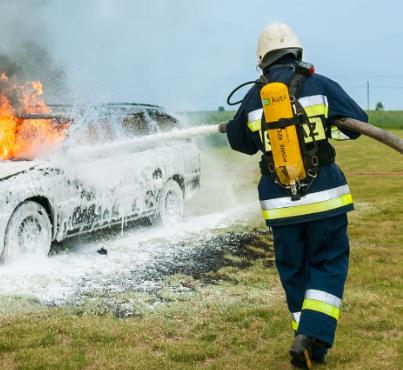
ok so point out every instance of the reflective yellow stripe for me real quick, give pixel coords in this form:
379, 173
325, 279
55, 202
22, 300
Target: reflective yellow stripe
311, 100
317, 110
319, 196
255, 125
312, 111
327, 309
267, 141
294, 325
336, 134
306, 209
318, 130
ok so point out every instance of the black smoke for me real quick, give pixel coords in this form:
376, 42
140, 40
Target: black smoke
25, 51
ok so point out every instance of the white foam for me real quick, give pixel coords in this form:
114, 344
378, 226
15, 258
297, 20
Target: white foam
57, 278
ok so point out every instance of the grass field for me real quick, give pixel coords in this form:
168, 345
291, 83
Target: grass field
386, 119
236, 318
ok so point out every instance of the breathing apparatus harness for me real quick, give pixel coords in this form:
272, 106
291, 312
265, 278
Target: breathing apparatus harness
313, 153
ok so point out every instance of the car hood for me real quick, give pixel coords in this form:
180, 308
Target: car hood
10, 168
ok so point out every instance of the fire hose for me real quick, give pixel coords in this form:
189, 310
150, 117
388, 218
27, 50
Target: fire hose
373, 132
363, 128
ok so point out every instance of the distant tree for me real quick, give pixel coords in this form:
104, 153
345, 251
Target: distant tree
379, 106
221, 109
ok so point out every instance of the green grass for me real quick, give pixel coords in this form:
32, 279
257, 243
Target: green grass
241, 321
386, 119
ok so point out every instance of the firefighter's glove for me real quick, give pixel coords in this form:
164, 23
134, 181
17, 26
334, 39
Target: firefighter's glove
222, 128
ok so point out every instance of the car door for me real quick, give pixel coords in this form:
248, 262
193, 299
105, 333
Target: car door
100, 172
179, 156
141, 177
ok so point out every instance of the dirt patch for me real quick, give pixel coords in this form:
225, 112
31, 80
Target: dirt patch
245, 248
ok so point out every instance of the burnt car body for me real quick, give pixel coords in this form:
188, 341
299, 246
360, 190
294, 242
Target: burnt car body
99, 185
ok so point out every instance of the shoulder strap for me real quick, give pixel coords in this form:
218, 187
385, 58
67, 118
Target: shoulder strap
302, 71
296, 85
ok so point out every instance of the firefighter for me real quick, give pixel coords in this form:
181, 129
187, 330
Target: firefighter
309, 230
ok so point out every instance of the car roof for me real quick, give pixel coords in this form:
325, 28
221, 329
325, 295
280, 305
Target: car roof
68, 112
124, 107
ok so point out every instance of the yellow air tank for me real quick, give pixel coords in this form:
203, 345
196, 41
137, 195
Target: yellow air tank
288, 162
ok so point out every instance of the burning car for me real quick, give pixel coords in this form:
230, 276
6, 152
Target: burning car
51, 190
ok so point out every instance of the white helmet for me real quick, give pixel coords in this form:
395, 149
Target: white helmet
278, 39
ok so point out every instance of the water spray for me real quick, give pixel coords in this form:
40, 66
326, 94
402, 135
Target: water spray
145, 141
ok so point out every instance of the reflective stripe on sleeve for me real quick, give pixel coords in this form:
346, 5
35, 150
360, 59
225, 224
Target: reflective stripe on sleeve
321, 301
321, 201
255, 120
336, 134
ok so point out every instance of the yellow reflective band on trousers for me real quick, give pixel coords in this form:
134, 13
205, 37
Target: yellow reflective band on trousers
325, 308
306, 209
296, 316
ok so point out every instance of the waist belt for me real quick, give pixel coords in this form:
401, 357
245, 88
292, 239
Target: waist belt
325, 154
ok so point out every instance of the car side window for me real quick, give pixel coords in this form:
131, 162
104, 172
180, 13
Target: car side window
138, 124
164, 121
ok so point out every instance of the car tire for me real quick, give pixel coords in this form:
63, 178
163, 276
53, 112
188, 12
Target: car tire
29, 232
170, 205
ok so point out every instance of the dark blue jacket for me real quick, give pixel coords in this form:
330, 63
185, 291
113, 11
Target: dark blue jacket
328, 195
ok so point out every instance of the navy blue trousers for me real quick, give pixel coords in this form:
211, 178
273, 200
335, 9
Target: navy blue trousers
312, 261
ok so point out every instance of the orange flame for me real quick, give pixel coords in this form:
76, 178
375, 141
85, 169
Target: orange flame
20, 138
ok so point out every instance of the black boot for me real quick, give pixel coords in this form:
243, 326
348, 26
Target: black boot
319, 351
301, 352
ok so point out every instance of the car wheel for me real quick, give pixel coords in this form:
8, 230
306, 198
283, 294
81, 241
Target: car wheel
170, 205
29, 232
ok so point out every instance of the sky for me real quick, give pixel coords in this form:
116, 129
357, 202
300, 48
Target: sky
188, 55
